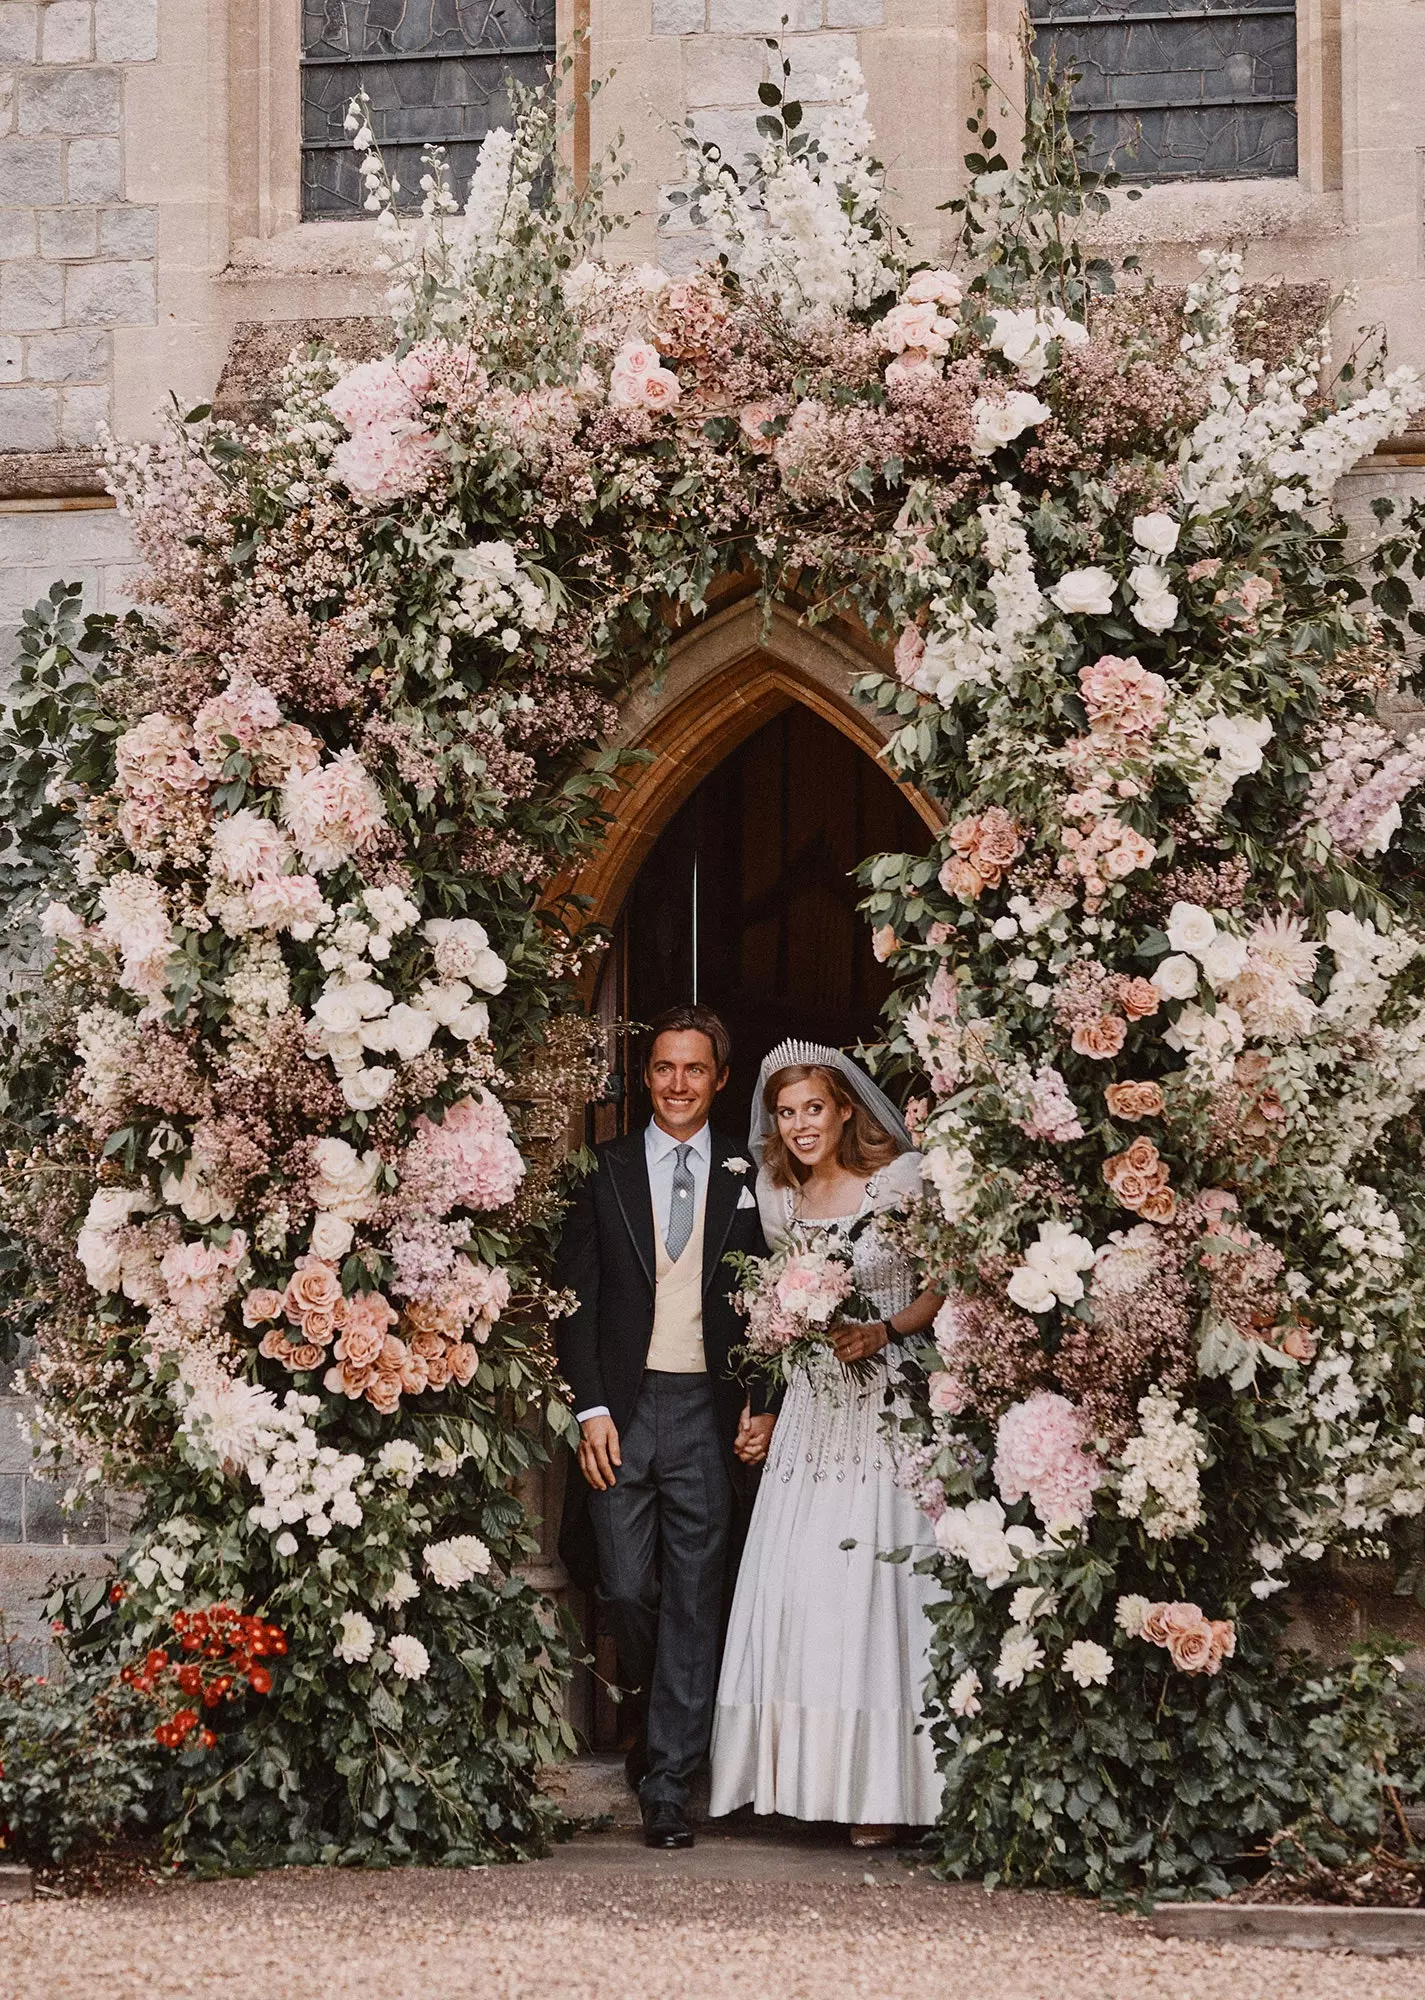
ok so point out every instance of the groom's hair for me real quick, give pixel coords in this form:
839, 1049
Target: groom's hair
693, 1020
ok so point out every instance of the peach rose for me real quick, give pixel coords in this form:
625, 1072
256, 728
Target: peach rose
345, 1378
438, 1371
313, 1287
273, 1344
1193, 1650
360, 1346
393, 1356
1224, 1640
1155, 1623
414, 1375
999, 841
1158, 1205
959, 877
261, 1305
383, 1393
750, 419
321, 1327
370, 1312
1139, 998
1132, 1101
428, 1344
1141, 1157
464, 1360
1102, 1038
307, 1355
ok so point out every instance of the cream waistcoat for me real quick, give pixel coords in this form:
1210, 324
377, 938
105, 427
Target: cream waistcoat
677, 1344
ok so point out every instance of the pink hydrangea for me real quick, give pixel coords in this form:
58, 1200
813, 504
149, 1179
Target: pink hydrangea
155, 756
1041, 1450
910, 651
135, 921
238, 717
469, 1160
811, 1287
333, 812
1052, 1114
1121, 697
384, 462
388, 391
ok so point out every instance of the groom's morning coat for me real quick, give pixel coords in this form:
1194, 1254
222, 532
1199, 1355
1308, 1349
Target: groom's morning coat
607, 1258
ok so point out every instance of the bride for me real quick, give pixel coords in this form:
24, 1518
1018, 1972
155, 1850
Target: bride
828, 1647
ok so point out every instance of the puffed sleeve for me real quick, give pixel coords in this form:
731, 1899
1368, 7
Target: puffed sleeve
771, 1203
903, 1178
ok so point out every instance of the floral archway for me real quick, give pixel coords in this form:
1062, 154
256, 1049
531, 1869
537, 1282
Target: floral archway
296, 1093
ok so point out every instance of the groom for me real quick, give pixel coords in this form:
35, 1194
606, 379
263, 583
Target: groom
663, 1417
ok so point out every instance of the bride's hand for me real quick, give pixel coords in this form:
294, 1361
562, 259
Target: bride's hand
859, 1342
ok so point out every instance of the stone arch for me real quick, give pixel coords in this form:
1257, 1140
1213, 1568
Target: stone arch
725, 678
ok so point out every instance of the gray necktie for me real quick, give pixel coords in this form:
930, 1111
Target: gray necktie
680, 1215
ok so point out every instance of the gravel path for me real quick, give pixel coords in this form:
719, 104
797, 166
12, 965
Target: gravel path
597, 1923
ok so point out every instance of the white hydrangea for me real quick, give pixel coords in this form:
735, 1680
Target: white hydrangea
1160, 1484
1050, 1273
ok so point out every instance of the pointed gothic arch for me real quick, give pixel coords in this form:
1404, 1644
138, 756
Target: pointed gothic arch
727, 676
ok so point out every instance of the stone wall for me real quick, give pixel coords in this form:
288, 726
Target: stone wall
78, 258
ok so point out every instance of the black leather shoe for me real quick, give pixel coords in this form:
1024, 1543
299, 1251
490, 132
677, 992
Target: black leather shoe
635, 1764
665, 1825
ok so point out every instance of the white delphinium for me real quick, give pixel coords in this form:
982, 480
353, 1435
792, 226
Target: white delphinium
409, 1658
356, 1639
1020, 1653
457, 1561
302, 1481
1329, 448
1160, 1484
1025, 337
1087, 1663
961, 650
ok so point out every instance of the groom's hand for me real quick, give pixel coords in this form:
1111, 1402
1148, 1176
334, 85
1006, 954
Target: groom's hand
754, 1438
598, 1452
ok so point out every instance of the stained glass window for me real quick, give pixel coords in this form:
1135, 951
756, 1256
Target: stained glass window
1175, 89
436, 72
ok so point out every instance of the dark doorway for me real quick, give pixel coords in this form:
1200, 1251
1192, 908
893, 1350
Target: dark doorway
748, 902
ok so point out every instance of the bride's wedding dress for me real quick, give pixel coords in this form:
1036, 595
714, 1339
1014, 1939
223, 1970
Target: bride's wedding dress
828, 1648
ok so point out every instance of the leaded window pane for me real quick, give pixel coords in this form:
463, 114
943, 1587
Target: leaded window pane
1174, 89
436, 71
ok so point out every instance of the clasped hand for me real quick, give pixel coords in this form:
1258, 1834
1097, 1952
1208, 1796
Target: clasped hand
858, 1342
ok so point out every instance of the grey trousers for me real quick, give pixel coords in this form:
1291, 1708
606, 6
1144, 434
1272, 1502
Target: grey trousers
662, 1534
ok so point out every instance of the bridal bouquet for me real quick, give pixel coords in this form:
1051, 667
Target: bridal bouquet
795, 1299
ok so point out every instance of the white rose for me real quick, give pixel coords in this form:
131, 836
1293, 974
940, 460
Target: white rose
1224, 959
364, 1089
998, 423
1176, 977
98, 1253
445, 1002
343, 1181
1239, 741
488, 973
331, 1237
1154, 610
338, 1011
1030, 1289
1190, 928
190, 1193
456, 943
472, 1024
405, 1032
1084, 593
111, 1208
1158, 533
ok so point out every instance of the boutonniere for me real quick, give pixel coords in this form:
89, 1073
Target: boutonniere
737, 1165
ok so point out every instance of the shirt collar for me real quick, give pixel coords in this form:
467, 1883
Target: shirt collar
661, 1144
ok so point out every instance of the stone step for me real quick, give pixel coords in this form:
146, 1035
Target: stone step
1297, 1926
593, 1787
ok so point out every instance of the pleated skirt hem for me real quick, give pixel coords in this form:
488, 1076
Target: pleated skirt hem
862, 1767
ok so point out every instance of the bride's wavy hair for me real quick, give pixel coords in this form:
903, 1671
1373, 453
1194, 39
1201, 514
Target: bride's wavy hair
865, 1147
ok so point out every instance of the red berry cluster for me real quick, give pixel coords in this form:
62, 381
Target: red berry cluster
224, 1649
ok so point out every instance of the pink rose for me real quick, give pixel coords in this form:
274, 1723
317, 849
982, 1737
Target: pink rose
260, 1305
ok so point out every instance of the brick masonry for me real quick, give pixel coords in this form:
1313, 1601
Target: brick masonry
76, 259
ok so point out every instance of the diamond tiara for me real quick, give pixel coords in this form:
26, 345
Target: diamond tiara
811, 1054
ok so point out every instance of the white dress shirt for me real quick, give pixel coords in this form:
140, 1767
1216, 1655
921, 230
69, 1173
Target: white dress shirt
660, 1150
